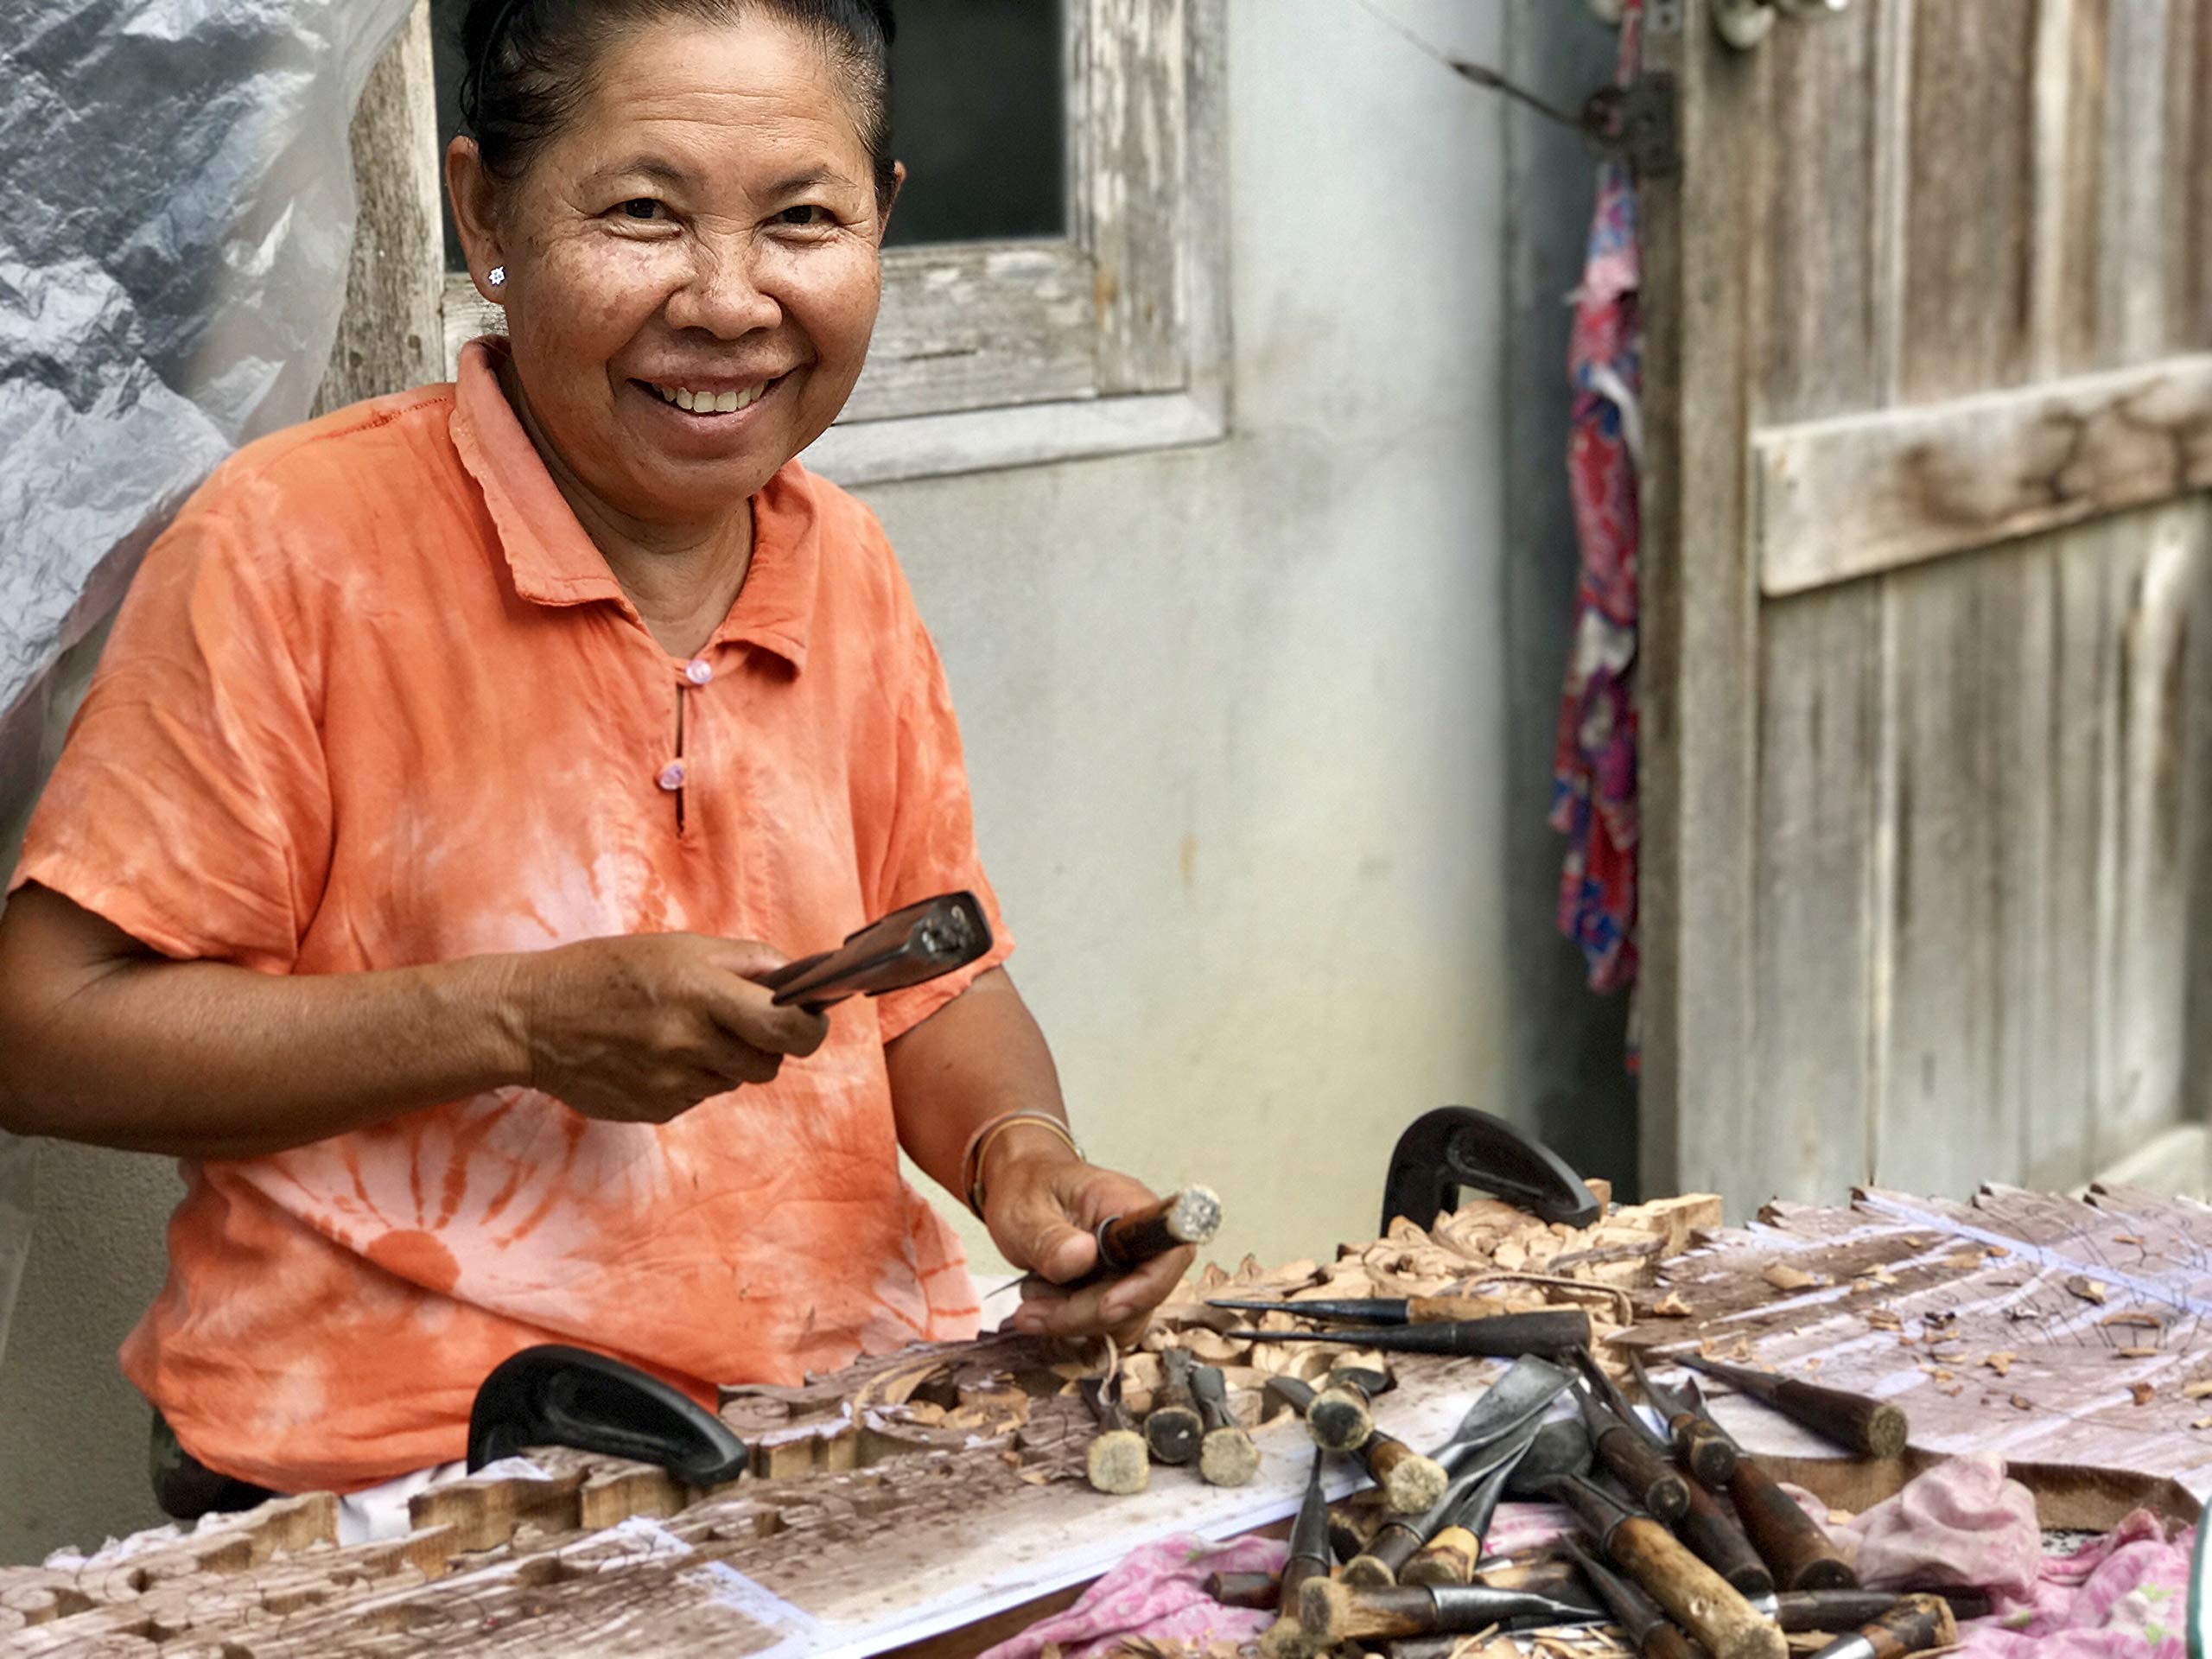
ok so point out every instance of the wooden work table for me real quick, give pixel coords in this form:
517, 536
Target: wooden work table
914, 1504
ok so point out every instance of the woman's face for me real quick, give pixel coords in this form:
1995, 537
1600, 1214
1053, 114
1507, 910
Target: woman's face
705, 231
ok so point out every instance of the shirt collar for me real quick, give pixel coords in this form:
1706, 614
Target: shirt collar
554, 562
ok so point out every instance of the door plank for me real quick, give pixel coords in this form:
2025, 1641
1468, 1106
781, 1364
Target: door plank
2151, 592
1820, 736
1846, 497
1969, 209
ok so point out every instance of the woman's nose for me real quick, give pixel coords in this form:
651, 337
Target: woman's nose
723, 293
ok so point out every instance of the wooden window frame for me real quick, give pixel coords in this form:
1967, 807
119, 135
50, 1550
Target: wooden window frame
1112, 339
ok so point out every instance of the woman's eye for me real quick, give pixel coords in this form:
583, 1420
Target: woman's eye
808, 217
641, 208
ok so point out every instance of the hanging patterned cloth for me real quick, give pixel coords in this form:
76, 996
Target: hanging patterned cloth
1594, 773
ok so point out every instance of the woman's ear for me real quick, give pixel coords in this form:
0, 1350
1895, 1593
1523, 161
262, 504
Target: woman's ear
883, 218
474, 193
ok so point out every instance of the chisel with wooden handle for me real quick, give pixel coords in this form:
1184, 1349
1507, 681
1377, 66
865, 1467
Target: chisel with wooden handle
1410, 1481
1700, 1447
1794, 1546
1707, 1606
1642, 1620
1872, 1428
1549, 1332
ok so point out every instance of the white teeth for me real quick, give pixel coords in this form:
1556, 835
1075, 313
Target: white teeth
712, 402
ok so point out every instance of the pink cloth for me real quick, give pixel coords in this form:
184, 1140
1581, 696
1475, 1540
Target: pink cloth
2124, 1597
1963, 1524
1157, 1593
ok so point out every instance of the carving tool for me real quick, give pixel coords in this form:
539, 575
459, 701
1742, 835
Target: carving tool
1699, 1600
1309, 1559
1623, 1448
1410, 1481
1332, 1614
908, 947
1371, 1310
1836, 1610
1226, 1455
1645, 1624
1352, 1521
1796, 1547
1173, 1429
1873, 1428
1914, 1625
1464, 1507
1549, 1333
1515, 1402
1707, 1528
1700, 1447
1116, 1461
1341, 1416
1259, 1593
1189, 1215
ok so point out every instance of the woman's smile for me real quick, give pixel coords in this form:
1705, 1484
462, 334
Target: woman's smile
702, 396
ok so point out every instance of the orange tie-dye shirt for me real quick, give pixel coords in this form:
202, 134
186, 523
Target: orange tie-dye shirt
376, 700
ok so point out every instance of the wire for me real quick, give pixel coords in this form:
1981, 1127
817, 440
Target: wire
1478, 73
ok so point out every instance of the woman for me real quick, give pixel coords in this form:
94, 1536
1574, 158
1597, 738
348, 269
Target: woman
462, 760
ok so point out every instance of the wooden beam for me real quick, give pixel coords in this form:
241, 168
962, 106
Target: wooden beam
1837, 499
1697, 652
390, 335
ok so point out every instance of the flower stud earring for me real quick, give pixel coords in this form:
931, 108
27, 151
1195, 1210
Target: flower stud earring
497, 276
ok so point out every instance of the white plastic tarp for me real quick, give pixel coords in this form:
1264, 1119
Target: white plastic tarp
174, 237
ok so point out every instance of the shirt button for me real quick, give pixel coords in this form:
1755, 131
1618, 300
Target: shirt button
671, 776
698, 671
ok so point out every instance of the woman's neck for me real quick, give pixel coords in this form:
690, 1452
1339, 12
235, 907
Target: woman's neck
681, 579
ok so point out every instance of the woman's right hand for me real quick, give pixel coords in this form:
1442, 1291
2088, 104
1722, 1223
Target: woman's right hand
641, 1029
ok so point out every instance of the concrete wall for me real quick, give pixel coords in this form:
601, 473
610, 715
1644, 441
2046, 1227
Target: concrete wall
1260, 734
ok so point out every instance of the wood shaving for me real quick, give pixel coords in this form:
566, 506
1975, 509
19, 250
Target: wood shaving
1884, 1318
2087, 1289
2021, 1402
2138, 1353
2135, 1320
2001, 1363
1783, 1277
2200, 1389
1672, 1306
2203, 1422
2144, 1393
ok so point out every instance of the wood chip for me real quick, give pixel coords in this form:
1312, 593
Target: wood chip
2200, 1389
2135, 1320
2087, 1289
2203, 1422
1884, 1318
1672, 1306
2021, 1402
2144, 1393
2001, 1363
2138, 1353
2126, 1238
1784, 1277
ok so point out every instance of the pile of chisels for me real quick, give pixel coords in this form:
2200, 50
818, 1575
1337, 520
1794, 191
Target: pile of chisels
1685, 1542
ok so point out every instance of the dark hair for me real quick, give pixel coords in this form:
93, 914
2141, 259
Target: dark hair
530, 63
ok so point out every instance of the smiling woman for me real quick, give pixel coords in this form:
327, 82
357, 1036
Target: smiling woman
464, 762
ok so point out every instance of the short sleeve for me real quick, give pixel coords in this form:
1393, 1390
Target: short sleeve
191, 805
931, 846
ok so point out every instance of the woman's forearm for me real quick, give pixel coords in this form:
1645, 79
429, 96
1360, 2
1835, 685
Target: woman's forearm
980, 1055
101, 1043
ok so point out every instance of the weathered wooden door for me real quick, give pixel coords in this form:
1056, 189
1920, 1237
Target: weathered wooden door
1929, 428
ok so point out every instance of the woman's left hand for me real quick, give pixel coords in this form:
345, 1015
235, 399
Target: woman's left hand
1043, 1207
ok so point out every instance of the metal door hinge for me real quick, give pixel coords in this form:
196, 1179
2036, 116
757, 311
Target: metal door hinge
1635, 123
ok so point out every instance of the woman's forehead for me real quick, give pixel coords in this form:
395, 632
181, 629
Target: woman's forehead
679, 99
